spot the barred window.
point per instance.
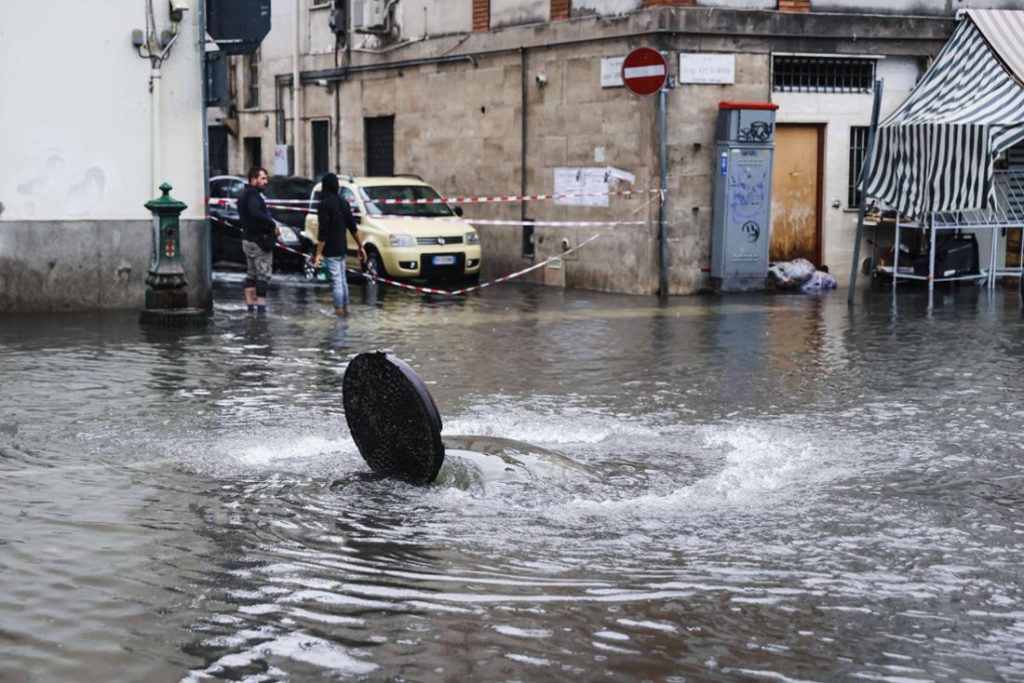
(858, 148)
(822, 74)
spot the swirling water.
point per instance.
(785, 488)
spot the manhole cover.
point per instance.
(392, 418)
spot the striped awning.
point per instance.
(936, 152)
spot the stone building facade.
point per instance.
(492, 97)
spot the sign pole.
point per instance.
(866, 170)
(662, 206)
(645, 72)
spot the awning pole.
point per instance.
(865, 173)
(931, 258)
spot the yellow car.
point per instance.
(412, 241)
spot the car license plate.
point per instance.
(443, 260)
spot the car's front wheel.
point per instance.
(374, 266)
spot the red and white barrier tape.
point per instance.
(540, 224)
(504, 278)
(482, 221)
(473, 288)
(218, 201)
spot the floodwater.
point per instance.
(763, 487)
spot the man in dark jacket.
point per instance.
(259, 235)
(335, 217)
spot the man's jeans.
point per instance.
(339, 285)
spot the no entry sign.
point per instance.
(644, 71)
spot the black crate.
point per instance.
(953, 256)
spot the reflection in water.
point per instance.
(753, 487)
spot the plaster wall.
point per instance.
(515, 12)
(604, 8)
(740, 4)
(419, 18)
(76, 144)
(75, 130)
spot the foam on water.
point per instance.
(296, 646)
(560, 423)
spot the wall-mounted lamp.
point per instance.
(542, 79)
(266, 121)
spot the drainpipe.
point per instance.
(154, 102)
(154, 95)
(296, 92)
(522, 132)
(207, 260)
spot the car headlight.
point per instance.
(473, 237)
(400, 240)
(288, 236)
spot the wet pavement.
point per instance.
(750, 487)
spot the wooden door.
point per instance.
(796, 193)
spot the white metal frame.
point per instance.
(1007, 212)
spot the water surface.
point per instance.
(785, 489)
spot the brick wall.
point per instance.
(794, 5)
(481, 15)
(559, 10)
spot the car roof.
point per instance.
(374, 181)
(377, 181)
(228, 177)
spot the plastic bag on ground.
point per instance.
(818, 282)
(791, 274)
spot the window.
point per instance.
(252, 79)
(380, 145)
(320, 131)
(218, 142)
(858, 148)
(253, 152)
(317, 4)
(822, 74)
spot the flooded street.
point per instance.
(770, 487)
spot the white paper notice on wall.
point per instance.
(706, 67)
(585, 186)
(611, 72)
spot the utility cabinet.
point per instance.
(741, 218)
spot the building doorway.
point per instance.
(253, 152)
(796, 193)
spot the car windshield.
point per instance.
(375, 207)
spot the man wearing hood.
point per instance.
(335, 218)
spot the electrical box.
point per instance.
(374, 14)
(338, 19)
(741, 224)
